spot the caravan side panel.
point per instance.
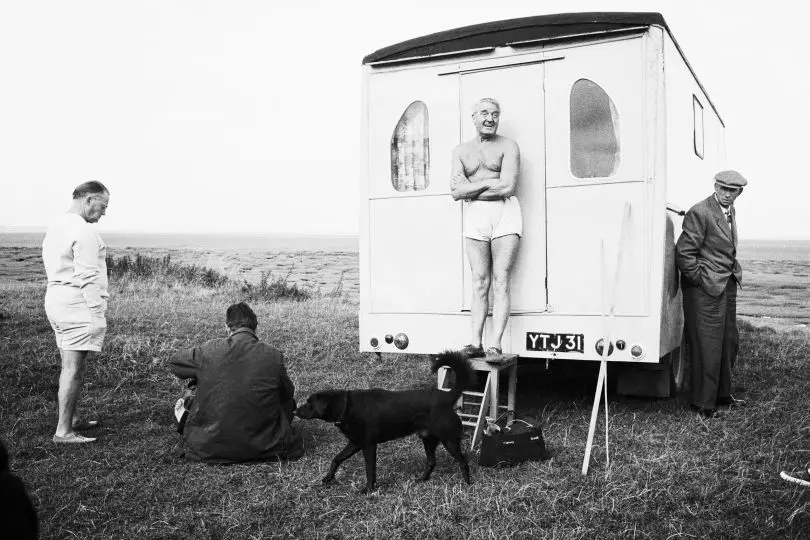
(695, 151)
(689, 174)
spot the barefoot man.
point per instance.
(76, 299)
(484, 176)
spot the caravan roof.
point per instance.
(522, 32)
(514, 32)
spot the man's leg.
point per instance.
(731, 341)
(692, 327)
(70, 384)
(480, 257)
(504, 253)
(705, 316)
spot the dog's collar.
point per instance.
(345, 408)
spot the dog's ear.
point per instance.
(320, 404)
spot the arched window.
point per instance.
(595, 142)
(410, 150)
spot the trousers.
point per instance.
(711, 330)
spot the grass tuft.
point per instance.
(161, 271)
(270, 289)
(143, 268)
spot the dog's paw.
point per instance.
(328, 479)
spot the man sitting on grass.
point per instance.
(243, 407)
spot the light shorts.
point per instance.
(75, 326)
(486, 220)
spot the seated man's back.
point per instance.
(244, 401)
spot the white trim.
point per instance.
(430, 56)
(501, 66)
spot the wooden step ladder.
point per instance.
(485, 404)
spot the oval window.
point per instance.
(595, 146)
(410, 150)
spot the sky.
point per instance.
(243, 116)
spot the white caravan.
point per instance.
(609, 117)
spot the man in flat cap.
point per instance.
(706, 254)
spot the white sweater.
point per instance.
(75, 256)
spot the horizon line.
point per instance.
(24, 229)
(5, 229)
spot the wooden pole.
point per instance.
(594, 413)
(608, 312)
(607, 448)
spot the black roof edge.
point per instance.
(539, 27)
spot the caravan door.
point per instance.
(519, 90)
(594, 104)
(414, 224)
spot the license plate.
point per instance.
(561, 343)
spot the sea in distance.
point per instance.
(763, 250)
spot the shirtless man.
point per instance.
(484, 176)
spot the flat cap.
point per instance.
(731, 179)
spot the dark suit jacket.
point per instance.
(243, 407)
(705, 253)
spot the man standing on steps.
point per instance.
(484, 176)
(706, 255)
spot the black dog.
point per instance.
(18, 519)
(369, 417)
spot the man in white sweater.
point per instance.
(76, 299)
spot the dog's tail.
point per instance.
(457, 361)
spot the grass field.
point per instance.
(671, 475)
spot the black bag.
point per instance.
(515, 442)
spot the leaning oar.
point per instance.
(608, 312)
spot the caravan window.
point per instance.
(410, 150)
(697, 113)
(595, 143)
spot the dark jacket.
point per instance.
(244, 402)
(706, 252)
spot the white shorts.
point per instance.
(486, 220)
(75, 326)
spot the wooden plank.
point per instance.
(490, 363)
(482, 417)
